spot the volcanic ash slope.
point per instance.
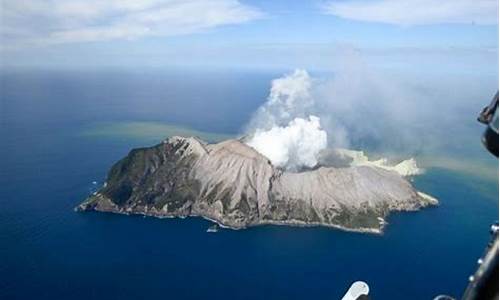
(236, 186)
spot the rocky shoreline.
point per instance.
(82, 208)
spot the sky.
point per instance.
(451, 35)
(405, 68)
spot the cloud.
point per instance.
(294, 146)
(283, 129)
(416, 12)
(289, 97)
(385, 111)
(35, 22)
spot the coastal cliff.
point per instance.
(235, 186)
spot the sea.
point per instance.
(61, 131)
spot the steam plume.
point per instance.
(284, 128)
(294, 146)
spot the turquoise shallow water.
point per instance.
(48, 251)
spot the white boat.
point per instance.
(213, 228)
(381, 221)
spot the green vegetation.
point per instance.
(364, 218)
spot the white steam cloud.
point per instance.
(284, 128)
(292, 147)
(361, 107)
(289, 98)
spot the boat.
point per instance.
(213, 228)
(381, 221)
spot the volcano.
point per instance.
(234, 185)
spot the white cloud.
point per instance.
(45, 22)
(416, 12)
(293, 146)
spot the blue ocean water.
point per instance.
(48, 251)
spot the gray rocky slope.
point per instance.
(234, 185)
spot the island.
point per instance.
(235, 186)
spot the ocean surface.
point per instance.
(51, 154)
